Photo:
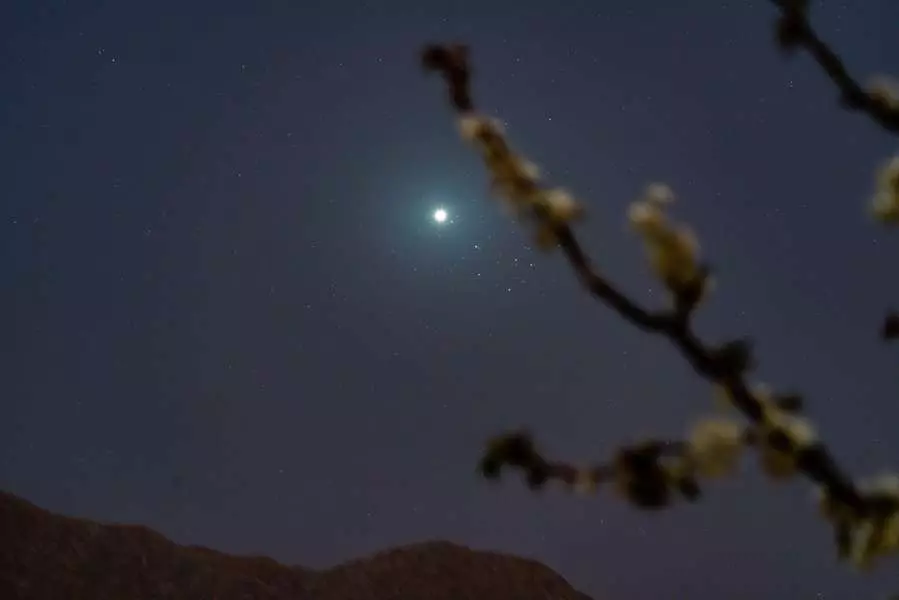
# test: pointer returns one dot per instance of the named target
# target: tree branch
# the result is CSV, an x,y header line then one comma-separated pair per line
x,y
726,365
793,30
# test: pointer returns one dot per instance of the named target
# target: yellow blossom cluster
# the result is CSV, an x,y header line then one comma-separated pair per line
x,y
514,180
651,474
885,90
672,249
781,435
872,534
715,446
862,534
885,204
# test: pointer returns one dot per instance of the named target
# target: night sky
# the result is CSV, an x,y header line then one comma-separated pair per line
x,y
230,315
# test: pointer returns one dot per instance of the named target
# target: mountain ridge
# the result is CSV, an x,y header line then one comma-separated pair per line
x,y
44,555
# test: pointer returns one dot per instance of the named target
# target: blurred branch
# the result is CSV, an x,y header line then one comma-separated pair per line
x,y
890,329
858,515
646,473
881,103
794,31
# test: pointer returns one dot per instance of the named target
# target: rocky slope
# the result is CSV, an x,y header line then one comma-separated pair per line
x,y
44,556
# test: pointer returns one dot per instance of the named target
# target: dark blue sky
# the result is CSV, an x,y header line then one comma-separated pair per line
x,y
230,317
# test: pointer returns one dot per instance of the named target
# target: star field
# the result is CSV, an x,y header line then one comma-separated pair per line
x,y
231,316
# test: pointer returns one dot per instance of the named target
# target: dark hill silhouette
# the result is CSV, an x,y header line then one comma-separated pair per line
x,y
44,556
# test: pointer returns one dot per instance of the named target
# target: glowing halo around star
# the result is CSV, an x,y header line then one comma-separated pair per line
x,y
440,216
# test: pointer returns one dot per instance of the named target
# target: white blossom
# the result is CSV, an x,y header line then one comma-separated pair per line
x,y
715,445
886,484
561,205
673,250
659,194
862,543
779,462
885,204
871,535
471,126
585,482
527,169
800,431
873,538
885,89
646,217
890,533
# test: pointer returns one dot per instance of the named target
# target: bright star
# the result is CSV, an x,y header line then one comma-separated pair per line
x,y
440,215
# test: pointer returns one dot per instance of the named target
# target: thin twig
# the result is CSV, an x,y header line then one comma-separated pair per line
x,y
795,31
